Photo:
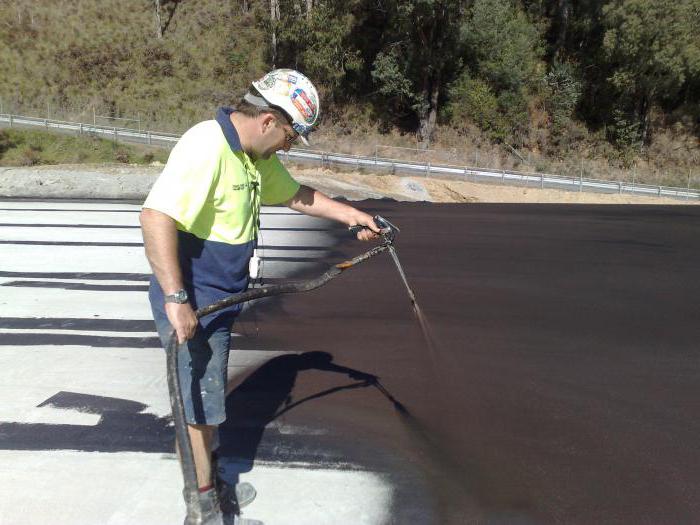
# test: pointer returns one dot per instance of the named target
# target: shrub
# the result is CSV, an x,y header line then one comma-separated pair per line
x,y
563,91
121,155
5,142
30,156
626,134
472,99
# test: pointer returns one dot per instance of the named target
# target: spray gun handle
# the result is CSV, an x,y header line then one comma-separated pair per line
x,y
359,227
356,229
386,228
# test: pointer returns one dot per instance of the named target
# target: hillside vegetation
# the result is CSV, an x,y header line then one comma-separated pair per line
x,y
607,88
31,148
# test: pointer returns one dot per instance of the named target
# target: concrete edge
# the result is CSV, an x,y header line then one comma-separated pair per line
x,y
46,182
62,184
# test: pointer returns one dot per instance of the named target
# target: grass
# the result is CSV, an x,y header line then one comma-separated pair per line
x,y
70,57
32,148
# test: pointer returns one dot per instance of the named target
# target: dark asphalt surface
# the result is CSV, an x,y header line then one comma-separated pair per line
x,y
564,385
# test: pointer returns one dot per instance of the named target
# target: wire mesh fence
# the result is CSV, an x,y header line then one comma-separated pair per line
x,y
92,111
526,162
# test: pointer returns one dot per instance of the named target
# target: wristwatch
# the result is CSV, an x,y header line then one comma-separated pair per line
x,y
179,297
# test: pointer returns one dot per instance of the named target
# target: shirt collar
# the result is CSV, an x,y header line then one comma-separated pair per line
x,y
223,117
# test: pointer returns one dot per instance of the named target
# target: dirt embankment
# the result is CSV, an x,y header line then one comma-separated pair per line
x,y
357,185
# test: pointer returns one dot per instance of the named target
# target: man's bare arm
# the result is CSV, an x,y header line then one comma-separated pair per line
x,y
312,202
160,242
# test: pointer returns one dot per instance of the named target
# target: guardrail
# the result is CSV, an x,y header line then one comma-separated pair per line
x,y
394,166
108,132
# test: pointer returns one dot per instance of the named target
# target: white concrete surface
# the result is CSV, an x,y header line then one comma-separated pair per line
x,y
73,487
41,258
51,302
71,216
103,235
79,488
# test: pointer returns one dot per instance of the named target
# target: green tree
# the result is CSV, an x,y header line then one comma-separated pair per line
x,y
573,33
505,48
473,100
653,50
503,51
563,90
420,53
317,41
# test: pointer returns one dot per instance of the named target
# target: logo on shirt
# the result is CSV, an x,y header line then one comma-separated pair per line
x,y
244,186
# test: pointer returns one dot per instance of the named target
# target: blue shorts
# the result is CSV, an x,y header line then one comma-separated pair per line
x,y
202,365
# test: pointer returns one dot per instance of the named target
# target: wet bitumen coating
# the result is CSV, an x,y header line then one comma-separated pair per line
x,y
565,382
562,384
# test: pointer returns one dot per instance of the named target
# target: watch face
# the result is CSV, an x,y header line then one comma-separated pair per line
x,y
178,297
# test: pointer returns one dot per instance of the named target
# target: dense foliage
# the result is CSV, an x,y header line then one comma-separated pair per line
x,y
536,74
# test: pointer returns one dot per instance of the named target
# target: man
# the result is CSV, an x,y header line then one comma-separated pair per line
x,y
200,225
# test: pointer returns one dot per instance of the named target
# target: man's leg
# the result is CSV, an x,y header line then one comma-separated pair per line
x,y
202,364
201,437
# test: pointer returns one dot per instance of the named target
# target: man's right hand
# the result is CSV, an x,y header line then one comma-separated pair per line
x,y
182,318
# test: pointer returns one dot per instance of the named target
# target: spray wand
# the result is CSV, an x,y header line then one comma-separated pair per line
x,y
388,233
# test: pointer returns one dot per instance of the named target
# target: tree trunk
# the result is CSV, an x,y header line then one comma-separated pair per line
x,y
429,118
159,25
309,8
274,19
564,12
644,110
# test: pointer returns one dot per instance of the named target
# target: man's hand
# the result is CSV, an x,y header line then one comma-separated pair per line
x,y
371,231
182,318
160,241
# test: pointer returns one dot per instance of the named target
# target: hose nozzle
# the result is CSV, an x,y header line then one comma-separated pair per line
x,y
388,230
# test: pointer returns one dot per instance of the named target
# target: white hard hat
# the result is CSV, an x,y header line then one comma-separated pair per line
x,y
292,93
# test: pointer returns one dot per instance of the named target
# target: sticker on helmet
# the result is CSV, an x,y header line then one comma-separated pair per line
x,y
282,89
268,81
304,104
292,79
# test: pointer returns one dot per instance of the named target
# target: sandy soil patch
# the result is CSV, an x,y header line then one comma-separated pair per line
x,y
437,190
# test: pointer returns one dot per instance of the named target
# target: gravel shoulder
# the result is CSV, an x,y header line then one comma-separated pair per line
x,y
133,182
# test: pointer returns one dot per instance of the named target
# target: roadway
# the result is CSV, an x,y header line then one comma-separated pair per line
x,y
562,386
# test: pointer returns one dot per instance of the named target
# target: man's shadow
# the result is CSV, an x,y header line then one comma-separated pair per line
x,y
264,396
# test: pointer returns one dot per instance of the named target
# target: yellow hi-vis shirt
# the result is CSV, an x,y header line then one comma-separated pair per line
x,y
213,191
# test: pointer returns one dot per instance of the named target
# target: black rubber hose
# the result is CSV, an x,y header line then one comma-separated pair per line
x,y
189,471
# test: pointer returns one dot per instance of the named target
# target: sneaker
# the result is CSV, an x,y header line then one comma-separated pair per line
x,y
245,521
211,513
232,501
233,498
